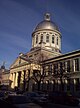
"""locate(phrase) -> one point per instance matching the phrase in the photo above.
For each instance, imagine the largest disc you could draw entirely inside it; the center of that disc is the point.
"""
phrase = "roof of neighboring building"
(63, 56)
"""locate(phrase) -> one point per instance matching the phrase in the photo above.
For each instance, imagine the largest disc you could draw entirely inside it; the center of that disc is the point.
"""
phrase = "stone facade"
(20, 73)
(44, 67)
(63, 72)
(4, 77)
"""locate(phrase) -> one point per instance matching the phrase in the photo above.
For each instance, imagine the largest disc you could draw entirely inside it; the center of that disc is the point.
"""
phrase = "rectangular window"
(50, 69)
(68, 66)
(46, 70)
(52, 38)
(56, 69)
(76, 64)
(61, 68)
(47, 38)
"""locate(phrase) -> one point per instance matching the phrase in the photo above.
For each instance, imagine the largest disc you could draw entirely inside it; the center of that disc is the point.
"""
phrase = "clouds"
(14, 40)
(13, 25)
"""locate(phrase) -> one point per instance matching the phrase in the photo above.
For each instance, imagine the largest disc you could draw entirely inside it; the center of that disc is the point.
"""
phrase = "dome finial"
(47, 16)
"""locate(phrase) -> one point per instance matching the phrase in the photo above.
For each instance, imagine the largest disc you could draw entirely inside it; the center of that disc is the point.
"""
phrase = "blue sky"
(18, 18)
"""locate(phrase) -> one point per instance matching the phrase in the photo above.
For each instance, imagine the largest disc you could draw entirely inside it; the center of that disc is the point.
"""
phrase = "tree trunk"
(61, 84)
(38, 86)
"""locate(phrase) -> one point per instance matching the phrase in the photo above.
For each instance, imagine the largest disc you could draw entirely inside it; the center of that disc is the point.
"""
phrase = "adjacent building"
(4, 77)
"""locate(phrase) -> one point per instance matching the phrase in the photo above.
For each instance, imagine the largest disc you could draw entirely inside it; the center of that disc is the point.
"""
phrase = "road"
(52, 105)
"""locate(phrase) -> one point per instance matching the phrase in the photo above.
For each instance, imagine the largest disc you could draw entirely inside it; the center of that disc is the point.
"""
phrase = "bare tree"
(39, 75)
(60, 72)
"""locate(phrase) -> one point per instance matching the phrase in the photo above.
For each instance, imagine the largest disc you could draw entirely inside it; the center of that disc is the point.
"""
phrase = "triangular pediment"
(18, 62)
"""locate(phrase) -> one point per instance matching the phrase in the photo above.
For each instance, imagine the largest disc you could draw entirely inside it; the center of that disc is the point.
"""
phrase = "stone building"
(46, 43)
(38, 62)
(63, 73)
(4, 77)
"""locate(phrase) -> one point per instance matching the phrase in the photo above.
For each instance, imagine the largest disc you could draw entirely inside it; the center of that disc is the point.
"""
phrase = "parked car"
(43, 94)
(63, 98)
(19, 101)
(10, 93)
(35, 97)
(2, 94)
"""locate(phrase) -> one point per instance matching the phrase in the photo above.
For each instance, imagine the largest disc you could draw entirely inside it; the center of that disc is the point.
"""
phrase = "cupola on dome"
(47, 24)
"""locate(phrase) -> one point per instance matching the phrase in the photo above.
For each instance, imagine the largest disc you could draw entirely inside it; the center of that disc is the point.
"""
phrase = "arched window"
(52, 38)
(47, 38)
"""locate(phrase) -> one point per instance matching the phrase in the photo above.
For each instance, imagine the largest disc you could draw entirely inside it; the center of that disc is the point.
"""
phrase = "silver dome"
(46, 24)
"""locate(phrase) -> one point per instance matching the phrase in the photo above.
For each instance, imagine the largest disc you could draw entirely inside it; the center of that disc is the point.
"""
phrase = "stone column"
(65, 85)
(38, 39)
(29, 82)
(44, 38)
(13, 80)
(74, 85)
(24, 80)
(50, 39)
(60, 43)
(16, 79)
(21, 80)
(71, 65)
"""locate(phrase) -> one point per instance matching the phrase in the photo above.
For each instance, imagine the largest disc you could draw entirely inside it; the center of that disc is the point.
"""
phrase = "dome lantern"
(47, 16)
